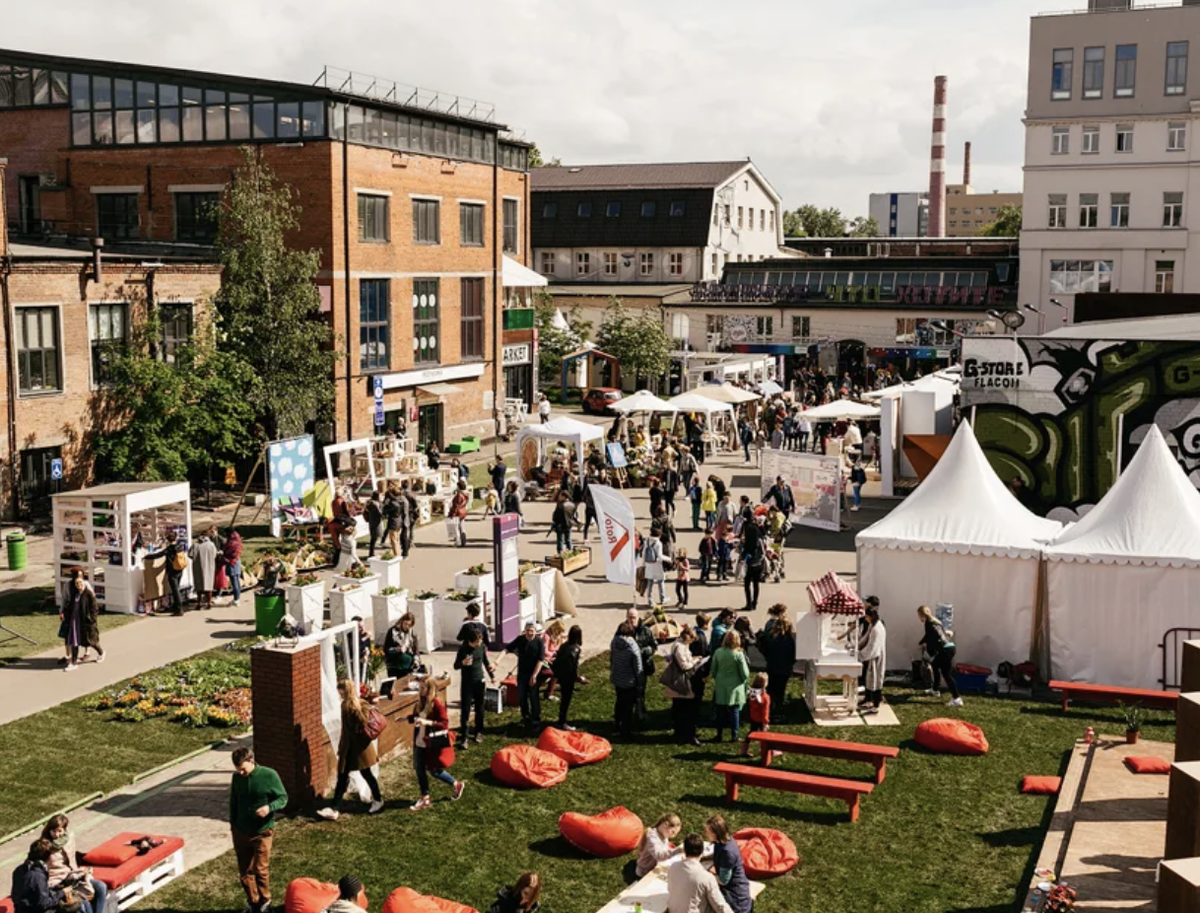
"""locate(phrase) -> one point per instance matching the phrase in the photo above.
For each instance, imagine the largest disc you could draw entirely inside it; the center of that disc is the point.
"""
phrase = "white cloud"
(832, 100)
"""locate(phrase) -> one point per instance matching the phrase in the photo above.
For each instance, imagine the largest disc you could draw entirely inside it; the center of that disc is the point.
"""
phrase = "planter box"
(306, 604)
(370, 583)
(450, 617)
(385, 610)
(345, 604)
(573, 564)
(388, 571)
(541, 585)
(528, 611)
(485, 586)
(428, 633)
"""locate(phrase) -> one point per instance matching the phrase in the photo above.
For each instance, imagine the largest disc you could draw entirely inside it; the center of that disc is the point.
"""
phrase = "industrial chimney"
(966, 165)
(937, 162)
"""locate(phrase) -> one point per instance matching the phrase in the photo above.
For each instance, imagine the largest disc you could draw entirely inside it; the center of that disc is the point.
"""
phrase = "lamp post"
(1062, 307)
(1041, 317)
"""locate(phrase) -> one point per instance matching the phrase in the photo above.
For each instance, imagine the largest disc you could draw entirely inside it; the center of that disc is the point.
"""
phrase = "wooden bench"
(848, 791)
(825, 748)
(1108, 694)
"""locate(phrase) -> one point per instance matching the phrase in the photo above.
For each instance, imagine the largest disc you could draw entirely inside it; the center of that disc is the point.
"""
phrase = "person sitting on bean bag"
(350, 891)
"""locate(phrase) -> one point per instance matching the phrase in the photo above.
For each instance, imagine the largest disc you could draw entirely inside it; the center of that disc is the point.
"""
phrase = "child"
(683, 569)
(725, 542)
(708, 550)
(760, 709)
(695, 495)
(493, 503)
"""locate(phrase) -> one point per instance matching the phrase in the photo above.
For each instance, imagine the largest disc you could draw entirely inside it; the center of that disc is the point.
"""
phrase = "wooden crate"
(572, 564)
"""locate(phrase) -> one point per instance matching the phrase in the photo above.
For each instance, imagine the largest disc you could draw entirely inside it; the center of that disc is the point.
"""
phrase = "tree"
(268, 310)
(553, 341)
(639, 342)
(809, 221)
(536, 160)
(1006, 225)
(864, 227)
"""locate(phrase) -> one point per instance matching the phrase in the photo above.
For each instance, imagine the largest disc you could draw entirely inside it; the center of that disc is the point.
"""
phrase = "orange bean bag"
(307, 895)
(947, 736)
(608, 835)
(575, 748)
(524, 767)
(766, 853)
(1041, 786)
(406, 900)
(1148, 764)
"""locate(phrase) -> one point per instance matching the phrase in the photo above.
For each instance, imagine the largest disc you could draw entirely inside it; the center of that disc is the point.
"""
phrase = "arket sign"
(516, 354)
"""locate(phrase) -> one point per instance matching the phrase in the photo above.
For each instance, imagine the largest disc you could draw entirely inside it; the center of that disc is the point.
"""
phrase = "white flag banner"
(615, 516)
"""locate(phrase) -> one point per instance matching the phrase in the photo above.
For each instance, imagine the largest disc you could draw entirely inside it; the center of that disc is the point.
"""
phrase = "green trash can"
(16, 551)
(267, 612)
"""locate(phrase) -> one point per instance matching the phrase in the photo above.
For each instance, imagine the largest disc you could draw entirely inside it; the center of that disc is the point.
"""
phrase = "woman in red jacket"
(433, 746)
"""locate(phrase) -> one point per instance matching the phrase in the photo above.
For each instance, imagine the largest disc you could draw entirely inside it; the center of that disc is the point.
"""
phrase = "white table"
(651, 892)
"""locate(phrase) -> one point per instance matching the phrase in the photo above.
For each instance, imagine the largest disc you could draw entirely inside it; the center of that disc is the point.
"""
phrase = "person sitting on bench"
(31, 891)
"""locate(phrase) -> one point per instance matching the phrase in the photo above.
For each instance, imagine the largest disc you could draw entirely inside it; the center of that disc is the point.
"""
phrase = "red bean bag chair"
(766, 853)
(1041, 786)
(307, 895)
(947, 736)
(526, 767)
(575, 748)
(608, 835)
(1148, 764)
(406, 900)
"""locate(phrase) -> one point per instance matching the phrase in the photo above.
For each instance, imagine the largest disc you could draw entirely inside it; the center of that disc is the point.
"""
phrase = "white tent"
(692, 401)
(928, 382)
(568, 430)
(642, 401)
(727, 393)
(842, 408)
(1125, 574)
(960, 538)
(770, 388)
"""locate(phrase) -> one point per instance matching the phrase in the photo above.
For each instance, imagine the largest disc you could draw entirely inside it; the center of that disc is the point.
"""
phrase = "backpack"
(179, 561)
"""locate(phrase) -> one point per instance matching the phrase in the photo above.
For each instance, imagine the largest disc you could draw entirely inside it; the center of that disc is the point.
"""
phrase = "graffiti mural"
(1060, 415)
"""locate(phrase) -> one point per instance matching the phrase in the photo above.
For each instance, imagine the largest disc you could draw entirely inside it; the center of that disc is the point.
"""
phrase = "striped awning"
(831, 595)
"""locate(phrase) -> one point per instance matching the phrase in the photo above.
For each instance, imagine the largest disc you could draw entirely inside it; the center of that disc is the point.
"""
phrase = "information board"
(816, 483)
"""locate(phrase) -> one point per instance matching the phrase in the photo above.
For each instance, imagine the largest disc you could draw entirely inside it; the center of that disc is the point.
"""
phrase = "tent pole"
(1120, 443)
(974, 409)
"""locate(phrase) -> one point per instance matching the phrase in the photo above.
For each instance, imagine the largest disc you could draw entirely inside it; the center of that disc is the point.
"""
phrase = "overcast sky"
(832, 100)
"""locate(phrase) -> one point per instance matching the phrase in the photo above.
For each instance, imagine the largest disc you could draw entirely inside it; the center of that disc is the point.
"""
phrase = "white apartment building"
(900, 215)
(1111, 163)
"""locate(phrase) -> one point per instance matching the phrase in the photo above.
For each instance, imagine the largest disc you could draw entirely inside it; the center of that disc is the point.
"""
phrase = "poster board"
(616, 455)
(291, 473)
(816, 483)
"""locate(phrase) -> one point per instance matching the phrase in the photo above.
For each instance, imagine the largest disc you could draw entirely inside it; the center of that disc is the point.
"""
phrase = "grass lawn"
(941, 833)
(54, 758)
(21, 611)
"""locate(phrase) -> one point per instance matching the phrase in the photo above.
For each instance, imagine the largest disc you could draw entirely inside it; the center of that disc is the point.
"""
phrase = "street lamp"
(1062, 307)
(1041, 317)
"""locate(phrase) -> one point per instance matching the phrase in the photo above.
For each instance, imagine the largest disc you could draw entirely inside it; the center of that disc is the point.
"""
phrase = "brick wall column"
(288, 733)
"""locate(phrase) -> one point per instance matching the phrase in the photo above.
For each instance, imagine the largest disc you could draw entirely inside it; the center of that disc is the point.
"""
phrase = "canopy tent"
(1125, 574)
(692, 401)
(770, 388)
(949, 377)
(961, 538)
(727, 393)
(517, 275)
(642, 401)
(569, 431)
(842, 408)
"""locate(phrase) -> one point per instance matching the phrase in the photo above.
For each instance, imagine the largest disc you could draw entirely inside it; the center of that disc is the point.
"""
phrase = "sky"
(832, 100)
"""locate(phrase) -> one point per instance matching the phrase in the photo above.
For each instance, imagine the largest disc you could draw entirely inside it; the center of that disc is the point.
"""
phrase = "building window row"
(647, 262)
(1124, 71)
(1067, 277)
(1060, 139)
(374, 221)
(648, 210)
(887, 281)
(413, 133)
(24, 87)
(375, 322)
(1118, 216)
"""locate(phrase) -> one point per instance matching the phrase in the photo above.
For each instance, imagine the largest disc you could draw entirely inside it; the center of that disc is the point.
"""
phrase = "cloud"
(832, 100)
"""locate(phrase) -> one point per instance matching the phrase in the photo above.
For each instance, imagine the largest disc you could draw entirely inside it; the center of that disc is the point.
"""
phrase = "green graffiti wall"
(1060, 414)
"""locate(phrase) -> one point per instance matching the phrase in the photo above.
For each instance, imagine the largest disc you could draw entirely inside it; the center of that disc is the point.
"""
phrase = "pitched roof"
(635, 177)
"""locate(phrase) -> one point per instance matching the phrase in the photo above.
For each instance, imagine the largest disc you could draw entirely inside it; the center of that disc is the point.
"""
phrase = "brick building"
(409, 196)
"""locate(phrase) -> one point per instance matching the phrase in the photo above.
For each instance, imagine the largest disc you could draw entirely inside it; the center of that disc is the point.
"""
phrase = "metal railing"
(1131, 8)
(397, 93)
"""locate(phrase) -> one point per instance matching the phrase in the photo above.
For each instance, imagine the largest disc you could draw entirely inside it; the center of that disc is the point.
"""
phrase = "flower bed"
(197, 692)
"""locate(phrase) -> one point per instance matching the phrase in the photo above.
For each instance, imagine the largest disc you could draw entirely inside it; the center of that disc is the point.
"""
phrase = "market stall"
(107, 531)
(718, 417)
(1125, 574)
(642, 401)
(728, 393)
(961, 539)
(535, 443)
(822, 644)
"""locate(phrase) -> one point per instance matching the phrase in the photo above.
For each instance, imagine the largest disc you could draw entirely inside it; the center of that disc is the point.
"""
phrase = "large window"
(801, 327)
(37, 349)
(196, 217)
(1058, 210)
(1060, 140)
(1164, 276)
(471, 339)
(1124, 137)
(176, 319)
(373, 223)
(764, 327)
(1176, 137)
(26, 86)
(512, 227)
(1126, 71)
(1172, 209)
(117, 215)
(1067, 277)
(374, 323)
(108, 328)
(1060, 78)
(470, 221)
(1177, 57)
(427, 221)
(1093, 72)
(1091, 140)
(1089, 207)
(1119, 211)
(426, 321)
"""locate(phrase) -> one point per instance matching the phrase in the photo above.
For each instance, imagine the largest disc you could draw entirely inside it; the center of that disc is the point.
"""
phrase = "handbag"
(675, 679)
(375, 724)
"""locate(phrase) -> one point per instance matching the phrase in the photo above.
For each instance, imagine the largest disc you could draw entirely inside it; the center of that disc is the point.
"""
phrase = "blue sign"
(56, 472)
(378, 402)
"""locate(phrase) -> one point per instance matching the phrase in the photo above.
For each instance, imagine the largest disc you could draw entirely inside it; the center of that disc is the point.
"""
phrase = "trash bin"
(268, 610)
(16, 551)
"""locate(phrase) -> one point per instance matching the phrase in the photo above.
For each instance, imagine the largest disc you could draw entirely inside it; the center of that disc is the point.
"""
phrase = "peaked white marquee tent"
(727, 393)
(694, 402)
(1125, 574)
(570, 431)
(960, 538)
(842, 408)
(642, 401)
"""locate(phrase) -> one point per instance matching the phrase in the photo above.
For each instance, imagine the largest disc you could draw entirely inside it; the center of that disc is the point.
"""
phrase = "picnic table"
(651, 891)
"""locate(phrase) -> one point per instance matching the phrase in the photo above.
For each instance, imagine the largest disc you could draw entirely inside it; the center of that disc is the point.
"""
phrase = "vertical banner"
(507, 624)
(615, 517)
(816, 483)
(290, 474)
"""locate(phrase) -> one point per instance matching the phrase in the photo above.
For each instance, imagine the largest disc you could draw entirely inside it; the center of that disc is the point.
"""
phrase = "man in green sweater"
(255, 795)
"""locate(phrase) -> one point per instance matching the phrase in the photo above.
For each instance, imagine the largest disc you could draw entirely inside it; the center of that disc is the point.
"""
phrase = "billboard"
(816, 483)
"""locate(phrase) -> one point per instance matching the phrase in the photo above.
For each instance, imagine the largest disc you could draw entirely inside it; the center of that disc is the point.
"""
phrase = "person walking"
(356, 751)
(683, 571)
(459, 505)
(655, 846)
(433, 746)
(677, 682)
(376, 525)
(941, 654)
(728, 866)
(80, 620)
(522, 896)
(858, 478)
(498, 470)
(625, 671)
(781, 494)
(746, 435)
(512, 501)
(472, 624)
(566, 673)
(731, 675)
(530, 651)
(175, 564)
(472, 661)
(753, 556)
(393, 521)
(561, 522)
(708, 552)
(779, 642)
(805, 433)
(652, 555)
(62, 867)
(873, 654)
(410, 511)
(255, 795)
(708, 505)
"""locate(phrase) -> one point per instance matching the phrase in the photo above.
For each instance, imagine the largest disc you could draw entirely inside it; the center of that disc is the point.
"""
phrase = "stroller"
(773, 569)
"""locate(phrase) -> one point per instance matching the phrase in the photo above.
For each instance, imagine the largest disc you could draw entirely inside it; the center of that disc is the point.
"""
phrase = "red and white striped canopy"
(831, 595)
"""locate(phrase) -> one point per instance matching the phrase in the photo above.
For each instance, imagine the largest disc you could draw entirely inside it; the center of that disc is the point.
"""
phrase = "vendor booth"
(960, 539)
(728, 393)
(535, 443)
(1125, 574)
(823, 644)
(108, 531)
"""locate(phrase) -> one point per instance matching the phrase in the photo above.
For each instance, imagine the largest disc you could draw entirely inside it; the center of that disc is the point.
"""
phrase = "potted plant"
(305, 596)
(347, 601)
(361, 575)
(423, 608)
(451, 609)
(1060, 899)
(386, 606)
(528, 607)
(571, 560)
(540, 581)
(387, 566)
(1135, 715)
(477, 578)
